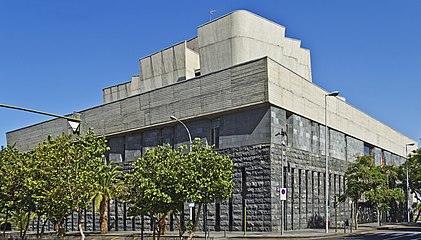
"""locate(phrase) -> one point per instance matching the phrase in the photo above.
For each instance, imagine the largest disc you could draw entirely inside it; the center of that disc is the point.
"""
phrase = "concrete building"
(236, 85)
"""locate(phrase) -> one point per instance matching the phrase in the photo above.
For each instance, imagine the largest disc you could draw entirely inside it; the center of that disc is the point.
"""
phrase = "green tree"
(414, 172)
(165, 178)
(54, 158)
(381, 193)
(109, 178)
(86, 163)
(154, 184)
(363, 178)
(18, 196)
(8, 185)
(208, 176)
(358, 181)
(69, 171)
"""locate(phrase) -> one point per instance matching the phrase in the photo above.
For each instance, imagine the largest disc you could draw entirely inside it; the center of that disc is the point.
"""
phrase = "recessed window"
(368, 150)
(214, 133)
(383, 159)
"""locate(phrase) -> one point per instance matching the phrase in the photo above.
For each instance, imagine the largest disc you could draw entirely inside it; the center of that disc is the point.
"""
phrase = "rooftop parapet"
(235, 38)
(242, 36)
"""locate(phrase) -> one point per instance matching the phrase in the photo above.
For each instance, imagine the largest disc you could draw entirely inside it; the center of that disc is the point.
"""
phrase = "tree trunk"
(162, 225)
(4, 227)
(103, 216)
(38, 225)
(79, 224)
(193, 228)
(180, 228)
(43, 227)
(59, 227)
(356, 216)
(378, 216)
(418, 216)
(21, 223)
(26, 225)
(153, 227)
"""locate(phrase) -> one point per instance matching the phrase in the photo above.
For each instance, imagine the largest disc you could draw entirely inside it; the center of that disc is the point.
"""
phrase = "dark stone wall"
(243, 128)
(354, 148)
(252, 164)
(304, 178)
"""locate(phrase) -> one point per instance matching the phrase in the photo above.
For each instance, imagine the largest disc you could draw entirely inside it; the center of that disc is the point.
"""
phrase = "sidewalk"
(290, 234)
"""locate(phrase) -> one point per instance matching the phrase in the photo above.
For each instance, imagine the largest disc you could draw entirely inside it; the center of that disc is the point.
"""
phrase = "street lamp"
(407, 179)
(184, 125)
(282, 134)
(332, 94)
(73, 122)
(191, 205)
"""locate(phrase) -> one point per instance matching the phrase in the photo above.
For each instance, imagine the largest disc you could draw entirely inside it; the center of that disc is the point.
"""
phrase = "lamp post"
(407, 179)
(73, 122)
(282, 134)
(184, 125)
(191, 205)
(332, 94)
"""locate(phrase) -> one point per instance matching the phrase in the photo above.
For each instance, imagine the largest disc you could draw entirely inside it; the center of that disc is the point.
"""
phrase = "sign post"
(282, 190)
(191, 206)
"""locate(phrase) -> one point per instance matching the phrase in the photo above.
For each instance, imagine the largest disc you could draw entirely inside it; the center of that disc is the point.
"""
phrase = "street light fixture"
(332, 94)
(73, 122)
(407, 179)
(283, 134)
(191, 205)
(184, 125)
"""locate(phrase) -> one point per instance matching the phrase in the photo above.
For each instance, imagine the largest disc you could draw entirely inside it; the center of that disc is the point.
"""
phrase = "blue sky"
(57, 56)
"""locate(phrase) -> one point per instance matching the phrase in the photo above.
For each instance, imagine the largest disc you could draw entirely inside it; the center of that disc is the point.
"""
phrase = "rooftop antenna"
(211, 12)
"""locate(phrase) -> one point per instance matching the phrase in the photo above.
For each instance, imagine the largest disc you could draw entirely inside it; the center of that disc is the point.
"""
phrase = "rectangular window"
(214, 137)
(214, 133)
(383, 159)
(124, 216)
(218, 215)
(368, 150)
(161, 136)
(115, 157)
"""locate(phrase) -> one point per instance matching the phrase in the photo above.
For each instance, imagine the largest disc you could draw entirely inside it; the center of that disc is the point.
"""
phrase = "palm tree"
(108, 177)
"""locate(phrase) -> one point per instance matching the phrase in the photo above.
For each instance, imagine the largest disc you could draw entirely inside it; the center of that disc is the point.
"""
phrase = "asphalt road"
(396, 234)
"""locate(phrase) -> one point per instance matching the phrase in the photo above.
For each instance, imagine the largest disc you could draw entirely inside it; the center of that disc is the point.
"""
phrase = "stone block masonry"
(304, 179)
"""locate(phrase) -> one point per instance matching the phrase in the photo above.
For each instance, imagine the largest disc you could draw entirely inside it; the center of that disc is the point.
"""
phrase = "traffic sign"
(283, 194)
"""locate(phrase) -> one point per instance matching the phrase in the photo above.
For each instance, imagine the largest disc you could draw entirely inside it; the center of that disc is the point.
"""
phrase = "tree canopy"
(58, 177)
(64, 174)
(363, 178)
(166, 178)
(414, 173)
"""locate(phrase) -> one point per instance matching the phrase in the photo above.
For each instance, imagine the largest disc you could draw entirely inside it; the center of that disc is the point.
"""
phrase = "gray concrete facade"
(242, 82)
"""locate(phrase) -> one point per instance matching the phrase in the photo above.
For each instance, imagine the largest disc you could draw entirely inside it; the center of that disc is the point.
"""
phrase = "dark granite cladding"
(304, 176)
